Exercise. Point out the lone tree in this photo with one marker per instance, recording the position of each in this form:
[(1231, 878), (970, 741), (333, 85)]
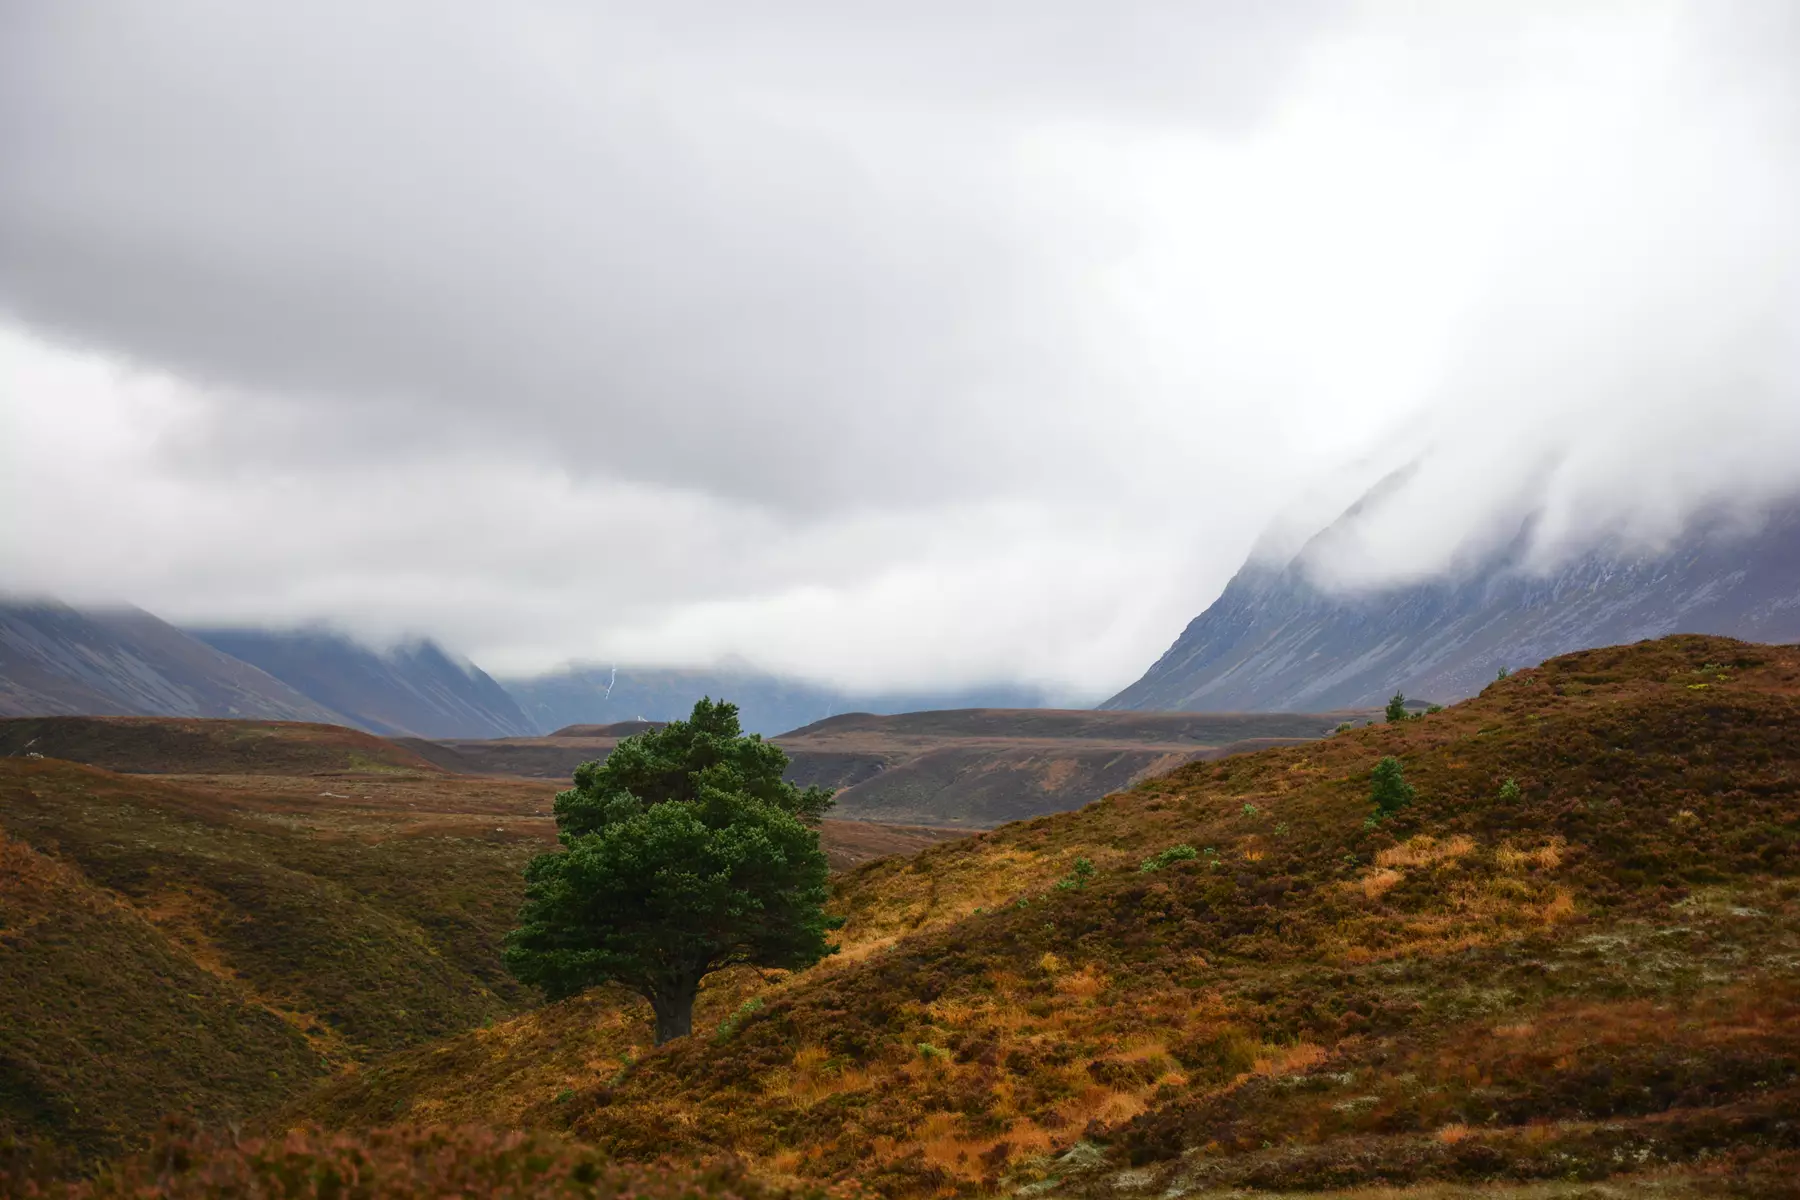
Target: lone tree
[(684, 852), (1396, 708), (1388, 788)]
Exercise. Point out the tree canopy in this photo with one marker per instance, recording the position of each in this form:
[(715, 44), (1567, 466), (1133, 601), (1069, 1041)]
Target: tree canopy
[(682, 853)]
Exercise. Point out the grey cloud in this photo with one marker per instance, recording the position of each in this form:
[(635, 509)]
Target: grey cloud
[(675, 247)]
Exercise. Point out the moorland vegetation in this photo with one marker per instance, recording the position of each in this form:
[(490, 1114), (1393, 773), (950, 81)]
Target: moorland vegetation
[(1571, 958)]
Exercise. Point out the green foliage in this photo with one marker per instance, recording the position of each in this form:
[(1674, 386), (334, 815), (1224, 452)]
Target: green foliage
[(1396, 708), (927, 1051), (1434, 708), (684, 852), (744, 1012), (1250, 810), (1388, 789), (1161, 859), (1502, 675), (1078, 876), (1343, 727), (1509, 792)]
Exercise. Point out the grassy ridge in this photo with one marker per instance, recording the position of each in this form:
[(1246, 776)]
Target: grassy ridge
[(1296, 1005), (163, 745)]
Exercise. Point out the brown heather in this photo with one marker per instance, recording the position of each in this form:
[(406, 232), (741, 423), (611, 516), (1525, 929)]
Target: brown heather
[(1594, 981)]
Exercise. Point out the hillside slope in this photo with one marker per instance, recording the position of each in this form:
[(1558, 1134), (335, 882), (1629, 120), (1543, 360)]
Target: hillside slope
[(1592, 973), (207, 947), (1276, 639), (107, 1024), (55, 659), (413, 689)]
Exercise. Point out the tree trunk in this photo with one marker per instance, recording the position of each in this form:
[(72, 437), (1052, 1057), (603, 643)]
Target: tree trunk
[(675, 1011)]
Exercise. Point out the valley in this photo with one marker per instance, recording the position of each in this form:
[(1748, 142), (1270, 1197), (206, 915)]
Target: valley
[(960, 768), (1572, 961)]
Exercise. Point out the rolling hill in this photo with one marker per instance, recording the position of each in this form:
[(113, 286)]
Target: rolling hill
[(255, 906), (1278, 639), (967, 768), (57, 660), (1574, 958)]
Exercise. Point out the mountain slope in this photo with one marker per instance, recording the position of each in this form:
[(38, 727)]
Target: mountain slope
[(1275, 639), (57, 660), (767, 704), (1591, 974), (414, 689)]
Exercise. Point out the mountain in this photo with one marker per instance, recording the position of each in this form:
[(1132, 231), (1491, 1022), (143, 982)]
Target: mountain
[(413, 689), (1277, 639), (767, 704), (55, 660)]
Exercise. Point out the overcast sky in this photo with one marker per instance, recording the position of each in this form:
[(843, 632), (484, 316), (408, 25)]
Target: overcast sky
[(892, 344)]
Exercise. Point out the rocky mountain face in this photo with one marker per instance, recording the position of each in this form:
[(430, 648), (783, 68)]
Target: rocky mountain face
[(411, 690), (1276, 639), (56, 660)]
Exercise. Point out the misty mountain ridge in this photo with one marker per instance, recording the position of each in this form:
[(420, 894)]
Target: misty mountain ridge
[(1282, 636), (767, 703), (411, 688), (56, 660)]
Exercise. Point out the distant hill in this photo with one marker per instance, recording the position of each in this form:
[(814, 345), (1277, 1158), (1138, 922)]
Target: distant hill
[(981, 767), (413, 689), (969, 768), (57, 660), (1276, 639), (171, 745), (767, 704)]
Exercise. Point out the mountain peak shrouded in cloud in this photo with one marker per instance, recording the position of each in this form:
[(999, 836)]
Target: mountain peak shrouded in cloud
[(1286, 636), (899, 351)]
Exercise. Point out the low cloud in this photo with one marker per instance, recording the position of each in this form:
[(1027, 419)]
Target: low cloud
[(896, 351)]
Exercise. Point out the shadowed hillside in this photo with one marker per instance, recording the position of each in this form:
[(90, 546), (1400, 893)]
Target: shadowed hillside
[(411, 689), (56, 659), (1575, 956)]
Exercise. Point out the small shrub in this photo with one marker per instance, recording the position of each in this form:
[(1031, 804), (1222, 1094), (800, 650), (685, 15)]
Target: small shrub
[(1161, 859), (745, 1011), (1396, 708), (1343, 727), (1388, 789), (1502, 675), (1509, 792), (1078, 876), (929, 1052), (1250, 810), (1434, 708)]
